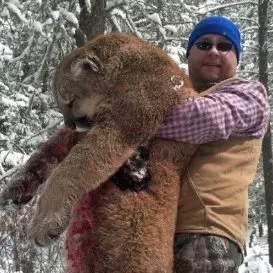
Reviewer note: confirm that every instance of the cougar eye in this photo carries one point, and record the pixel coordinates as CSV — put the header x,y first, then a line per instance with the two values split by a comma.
x,y
53,236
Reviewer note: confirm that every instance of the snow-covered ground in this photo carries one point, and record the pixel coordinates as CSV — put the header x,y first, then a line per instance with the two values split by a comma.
x,y
257,261
257,258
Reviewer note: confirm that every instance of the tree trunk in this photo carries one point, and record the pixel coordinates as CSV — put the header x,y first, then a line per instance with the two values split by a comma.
x,y
15,252
91,22
267,145
261,230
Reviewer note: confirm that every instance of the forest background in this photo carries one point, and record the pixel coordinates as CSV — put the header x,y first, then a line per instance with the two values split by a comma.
x,y
36,34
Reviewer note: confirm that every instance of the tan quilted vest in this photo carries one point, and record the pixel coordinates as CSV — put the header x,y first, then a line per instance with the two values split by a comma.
x,y
214,190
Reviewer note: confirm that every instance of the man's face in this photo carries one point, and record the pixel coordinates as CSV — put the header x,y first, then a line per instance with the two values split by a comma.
x,y
210,61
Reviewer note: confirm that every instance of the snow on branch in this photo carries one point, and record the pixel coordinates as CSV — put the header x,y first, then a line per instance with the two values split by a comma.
x,y
38,26
172,28
12,158
55,124
6,88
17,12
255,21
255,28
114,20
155,17
7,102
114,4
26,50
48,52
16,3
4,13
87,4
36,76
123,14
8,173
5,52
70,17
55,14
204,11
132,26
120,13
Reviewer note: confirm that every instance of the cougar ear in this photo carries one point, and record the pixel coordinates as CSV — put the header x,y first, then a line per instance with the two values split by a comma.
x,y
113,68
89,63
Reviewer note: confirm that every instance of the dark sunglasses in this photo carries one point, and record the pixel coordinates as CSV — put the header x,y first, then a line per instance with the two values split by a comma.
x,y
221,46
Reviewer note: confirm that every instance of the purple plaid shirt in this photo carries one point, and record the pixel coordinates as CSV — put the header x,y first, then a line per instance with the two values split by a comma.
x,y
236,109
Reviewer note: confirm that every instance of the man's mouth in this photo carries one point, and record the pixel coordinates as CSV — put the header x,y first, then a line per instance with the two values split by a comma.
x,y
212,65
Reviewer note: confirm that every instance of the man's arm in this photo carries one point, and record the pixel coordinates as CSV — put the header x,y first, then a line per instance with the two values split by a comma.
x,y
236,109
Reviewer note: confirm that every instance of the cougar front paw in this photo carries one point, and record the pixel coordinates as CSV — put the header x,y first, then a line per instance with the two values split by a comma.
x,y
47,228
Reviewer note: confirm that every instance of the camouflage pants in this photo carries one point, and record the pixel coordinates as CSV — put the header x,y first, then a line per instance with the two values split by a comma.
x,y
201,253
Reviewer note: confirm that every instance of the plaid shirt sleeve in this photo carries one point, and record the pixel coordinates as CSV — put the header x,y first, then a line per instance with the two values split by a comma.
x,y
237,109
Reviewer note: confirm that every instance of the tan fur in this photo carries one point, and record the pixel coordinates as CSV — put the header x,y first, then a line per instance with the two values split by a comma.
x,y
130,86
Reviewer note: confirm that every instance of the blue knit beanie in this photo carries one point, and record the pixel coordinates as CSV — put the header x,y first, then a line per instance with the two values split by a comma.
x,y
216,25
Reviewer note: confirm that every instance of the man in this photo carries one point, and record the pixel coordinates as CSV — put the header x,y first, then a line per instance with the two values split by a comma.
x,y
228,120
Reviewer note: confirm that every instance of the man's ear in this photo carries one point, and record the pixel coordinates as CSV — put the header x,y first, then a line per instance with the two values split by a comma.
x,y
88,63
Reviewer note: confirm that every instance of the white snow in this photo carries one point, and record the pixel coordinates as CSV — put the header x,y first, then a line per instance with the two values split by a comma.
x,y
88,4
16,3
162,31
120,13
4,13
110,4
257,263
69,16
55,14
155,17
38,27
175,52
257,258
48,22
5,52
3,137
8,102
172,28
22,97
39,2
5,87
16,11
26,50
12,158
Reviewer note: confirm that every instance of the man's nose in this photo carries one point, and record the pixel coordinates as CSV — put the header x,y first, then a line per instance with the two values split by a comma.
x,y
213,51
